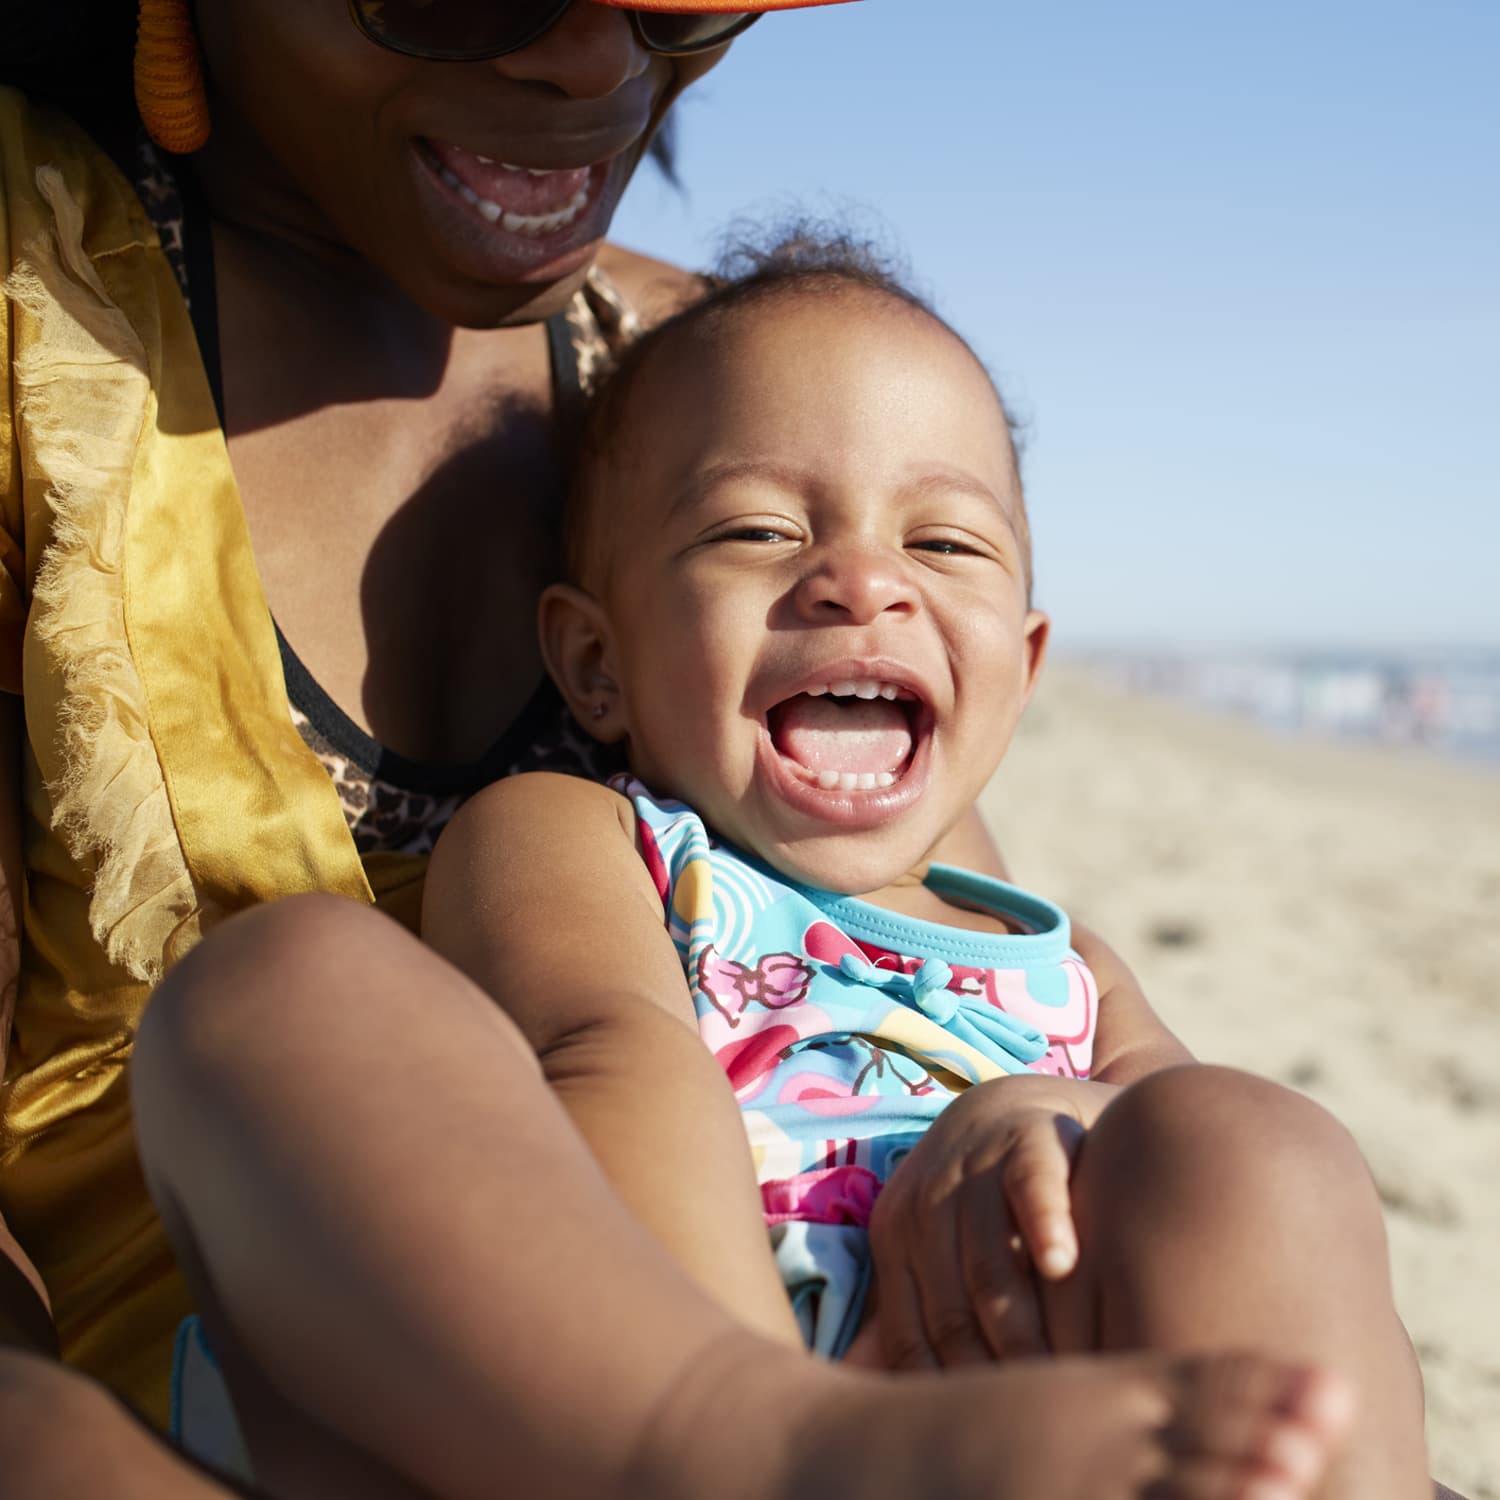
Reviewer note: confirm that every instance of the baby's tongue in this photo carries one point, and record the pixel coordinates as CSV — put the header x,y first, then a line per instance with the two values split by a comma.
x,y
846,734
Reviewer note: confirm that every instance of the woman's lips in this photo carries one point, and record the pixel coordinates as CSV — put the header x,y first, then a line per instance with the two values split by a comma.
x,y
514,243
535,201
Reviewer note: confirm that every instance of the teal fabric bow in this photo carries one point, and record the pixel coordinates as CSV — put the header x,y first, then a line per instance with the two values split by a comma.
x,y
1011,1043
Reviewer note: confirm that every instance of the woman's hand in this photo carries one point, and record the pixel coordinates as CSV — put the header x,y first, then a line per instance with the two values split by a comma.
x,y
974,1216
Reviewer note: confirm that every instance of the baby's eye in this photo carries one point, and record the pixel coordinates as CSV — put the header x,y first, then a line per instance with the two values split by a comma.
x,y
945,546
751,534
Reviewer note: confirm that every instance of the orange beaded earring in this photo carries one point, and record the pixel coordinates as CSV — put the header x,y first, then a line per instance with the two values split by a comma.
x,y
169,77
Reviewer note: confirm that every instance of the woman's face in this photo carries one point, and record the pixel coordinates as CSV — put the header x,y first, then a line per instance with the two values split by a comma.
x,y
482,189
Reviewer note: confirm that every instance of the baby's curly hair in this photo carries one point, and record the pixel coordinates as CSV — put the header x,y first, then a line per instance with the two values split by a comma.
x,y
807,258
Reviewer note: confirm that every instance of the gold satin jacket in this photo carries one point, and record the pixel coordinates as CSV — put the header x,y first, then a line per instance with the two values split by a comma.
x,y
163,785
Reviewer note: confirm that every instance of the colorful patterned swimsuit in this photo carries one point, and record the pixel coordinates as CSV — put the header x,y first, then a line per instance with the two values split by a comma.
x,y
845,1029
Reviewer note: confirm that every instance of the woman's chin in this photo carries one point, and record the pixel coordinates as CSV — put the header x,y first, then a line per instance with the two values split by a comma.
x,y
522,305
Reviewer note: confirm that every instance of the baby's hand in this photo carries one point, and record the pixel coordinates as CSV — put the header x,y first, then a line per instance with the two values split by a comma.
x,y
970,1220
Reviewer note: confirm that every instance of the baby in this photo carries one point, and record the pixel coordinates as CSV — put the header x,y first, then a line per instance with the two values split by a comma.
x,y
800,601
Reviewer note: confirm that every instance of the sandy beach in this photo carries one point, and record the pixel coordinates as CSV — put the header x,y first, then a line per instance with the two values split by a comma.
x,y
1327,916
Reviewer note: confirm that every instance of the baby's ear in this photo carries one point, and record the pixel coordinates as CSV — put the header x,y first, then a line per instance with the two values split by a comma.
x,y
1037,631
578,650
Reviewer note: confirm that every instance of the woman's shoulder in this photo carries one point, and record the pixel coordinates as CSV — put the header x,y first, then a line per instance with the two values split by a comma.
x,y
653,288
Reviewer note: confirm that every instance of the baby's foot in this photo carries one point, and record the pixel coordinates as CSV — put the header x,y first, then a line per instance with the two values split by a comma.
x,y
757,1426
1227,1427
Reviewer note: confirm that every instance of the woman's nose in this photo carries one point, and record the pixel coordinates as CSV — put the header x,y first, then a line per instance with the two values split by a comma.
x,y
855,586
590,52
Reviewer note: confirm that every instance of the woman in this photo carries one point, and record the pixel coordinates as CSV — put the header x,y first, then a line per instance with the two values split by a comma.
x,y
391,245
379,352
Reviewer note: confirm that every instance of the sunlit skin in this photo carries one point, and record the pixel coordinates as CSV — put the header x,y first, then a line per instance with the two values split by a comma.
x,y
381,360
815,486
387,403
318,137
846,506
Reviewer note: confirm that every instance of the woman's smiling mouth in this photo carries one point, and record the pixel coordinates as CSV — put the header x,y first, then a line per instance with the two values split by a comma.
x,y
532,201
511,223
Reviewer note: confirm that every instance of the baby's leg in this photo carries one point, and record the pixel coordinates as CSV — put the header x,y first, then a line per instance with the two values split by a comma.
x,y
409,1264
1218,1210
397,1233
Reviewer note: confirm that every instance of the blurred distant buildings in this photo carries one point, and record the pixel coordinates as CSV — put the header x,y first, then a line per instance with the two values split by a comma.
x,y
1443,701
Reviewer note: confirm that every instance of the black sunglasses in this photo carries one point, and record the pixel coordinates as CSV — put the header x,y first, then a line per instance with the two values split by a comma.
x,y
473,30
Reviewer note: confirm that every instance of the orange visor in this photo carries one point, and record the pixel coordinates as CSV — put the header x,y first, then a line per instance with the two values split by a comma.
x,y
705,7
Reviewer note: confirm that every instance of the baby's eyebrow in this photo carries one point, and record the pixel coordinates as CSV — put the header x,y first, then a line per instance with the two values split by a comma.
x,y
944,479
767,470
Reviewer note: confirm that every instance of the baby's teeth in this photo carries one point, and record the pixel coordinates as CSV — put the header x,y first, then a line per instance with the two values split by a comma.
x,y
841,689
490,211
817,692
888,690
867,690
851,781
488,161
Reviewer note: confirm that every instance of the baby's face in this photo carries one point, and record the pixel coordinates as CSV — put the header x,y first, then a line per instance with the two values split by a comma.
x,y
817,596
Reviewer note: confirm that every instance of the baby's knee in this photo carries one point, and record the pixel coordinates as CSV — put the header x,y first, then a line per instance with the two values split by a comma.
x,y
1217,1133
261,968
256,992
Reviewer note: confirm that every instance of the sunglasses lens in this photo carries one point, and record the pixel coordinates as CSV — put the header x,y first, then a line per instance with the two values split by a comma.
x,y
472,29
456,28
666,31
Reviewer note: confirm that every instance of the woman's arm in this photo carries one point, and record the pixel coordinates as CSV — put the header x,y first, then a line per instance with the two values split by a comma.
x,y
537,893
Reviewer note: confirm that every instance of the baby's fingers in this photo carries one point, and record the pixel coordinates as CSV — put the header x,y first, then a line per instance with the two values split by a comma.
x,y
1001,1289
1037,1171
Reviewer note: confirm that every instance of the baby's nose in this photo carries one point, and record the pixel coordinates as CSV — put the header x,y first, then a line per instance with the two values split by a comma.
x,y
857,586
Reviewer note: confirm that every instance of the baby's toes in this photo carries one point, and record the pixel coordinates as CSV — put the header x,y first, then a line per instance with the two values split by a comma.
x,y
1247,1428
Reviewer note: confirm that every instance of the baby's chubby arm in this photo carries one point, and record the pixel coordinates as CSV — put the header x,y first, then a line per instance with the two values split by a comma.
x,y
536,891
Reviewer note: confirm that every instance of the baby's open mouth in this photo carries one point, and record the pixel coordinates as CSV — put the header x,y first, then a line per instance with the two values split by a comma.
x,y
848,736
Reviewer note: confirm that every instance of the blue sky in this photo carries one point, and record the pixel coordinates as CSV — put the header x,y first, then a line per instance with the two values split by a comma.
x,y
1237,267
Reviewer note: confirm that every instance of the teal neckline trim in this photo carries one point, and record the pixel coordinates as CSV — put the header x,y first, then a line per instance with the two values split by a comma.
x,y
1049,941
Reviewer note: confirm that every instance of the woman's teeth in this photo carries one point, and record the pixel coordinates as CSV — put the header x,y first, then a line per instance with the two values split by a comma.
x,y
514,223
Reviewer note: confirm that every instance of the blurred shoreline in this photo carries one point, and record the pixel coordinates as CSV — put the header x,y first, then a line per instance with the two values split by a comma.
x,y
1445,700
1323,914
